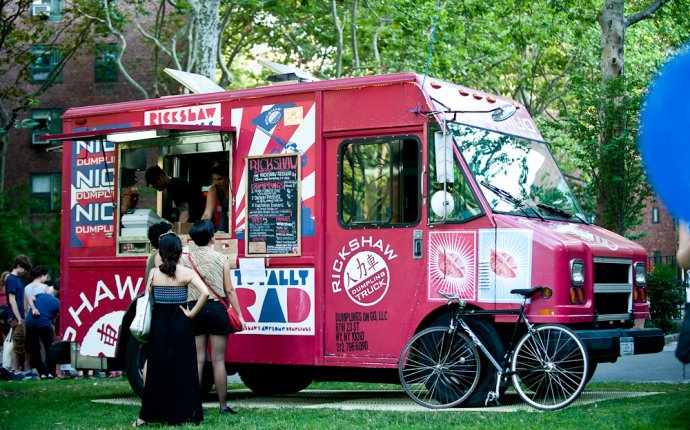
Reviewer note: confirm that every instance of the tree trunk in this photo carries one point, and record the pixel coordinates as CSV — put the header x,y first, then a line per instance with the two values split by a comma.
x,y
207,27
339,39
612,23
612,190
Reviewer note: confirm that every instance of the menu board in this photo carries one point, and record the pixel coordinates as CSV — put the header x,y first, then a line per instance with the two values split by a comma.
x,y
273,205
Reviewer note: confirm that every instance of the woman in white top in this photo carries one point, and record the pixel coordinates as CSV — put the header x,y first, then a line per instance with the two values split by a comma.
x,y
39,276
212,324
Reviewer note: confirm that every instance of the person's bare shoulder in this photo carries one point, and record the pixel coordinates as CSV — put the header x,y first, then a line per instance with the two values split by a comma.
x,y
184,274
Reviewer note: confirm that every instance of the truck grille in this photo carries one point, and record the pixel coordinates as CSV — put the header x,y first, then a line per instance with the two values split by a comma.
x,y
613,279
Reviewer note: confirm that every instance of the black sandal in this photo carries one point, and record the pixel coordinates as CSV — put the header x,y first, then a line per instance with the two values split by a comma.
x,y
227,410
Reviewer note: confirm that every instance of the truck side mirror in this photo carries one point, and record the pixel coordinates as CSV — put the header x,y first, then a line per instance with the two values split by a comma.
x,y
442,204
443,151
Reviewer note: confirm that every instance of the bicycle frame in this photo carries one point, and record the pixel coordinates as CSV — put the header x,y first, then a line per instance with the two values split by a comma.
x,y
501,370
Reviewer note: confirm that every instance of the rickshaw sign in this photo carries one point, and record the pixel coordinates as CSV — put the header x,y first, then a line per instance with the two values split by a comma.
x,y
361,269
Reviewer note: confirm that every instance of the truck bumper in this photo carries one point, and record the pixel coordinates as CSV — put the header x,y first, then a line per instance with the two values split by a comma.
x,y
604,345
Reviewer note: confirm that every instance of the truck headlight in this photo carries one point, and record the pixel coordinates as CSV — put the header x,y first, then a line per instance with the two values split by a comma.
x,y
577,272
640,274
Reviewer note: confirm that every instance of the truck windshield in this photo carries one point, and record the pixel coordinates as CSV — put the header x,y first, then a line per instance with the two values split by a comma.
x,y
516,173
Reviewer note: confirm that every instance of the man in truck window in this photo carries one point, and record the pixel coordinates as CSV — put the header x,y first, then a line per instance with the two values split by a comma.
x,y
187,198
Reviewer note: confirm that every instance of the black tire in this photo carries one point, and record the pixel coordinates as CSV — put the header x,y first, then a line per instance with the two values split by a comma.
x,y
487,375
135,357
206,380
439,368
590,371
269,380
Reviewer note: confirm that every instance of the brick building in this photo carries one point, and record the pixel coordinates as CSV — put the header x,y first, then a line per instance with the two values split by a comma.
x,y
90,78
661,239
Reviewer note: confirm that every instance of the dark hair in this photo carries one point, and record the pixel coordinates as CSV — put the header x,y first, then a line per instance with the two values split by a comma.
x,y
39,271
156,230
170,249
23,262
202,231
221,168
152,174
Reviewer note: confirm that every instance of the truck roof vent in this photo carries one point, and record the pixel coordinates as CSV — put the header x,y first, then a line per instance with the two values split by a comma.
x,y
287,74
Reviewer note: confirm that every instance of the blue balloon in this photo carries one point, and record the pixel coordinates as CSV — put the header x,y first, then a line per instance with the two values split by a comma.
x,y
665,135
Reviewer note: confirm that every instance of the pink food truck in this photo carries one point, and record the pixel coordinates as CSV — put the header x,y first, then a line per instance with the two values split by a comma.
x,y
354,203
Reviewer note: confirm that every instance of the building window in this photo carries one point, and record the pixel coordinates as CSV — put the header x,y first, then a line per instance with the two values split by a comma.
x,y
47,9
106,62
45,192
655,215
380,182
46,59
657,257
46,121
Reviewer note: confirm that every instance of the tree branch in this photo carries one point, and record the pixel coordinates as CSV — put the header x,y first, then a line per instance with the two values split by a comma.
x,y
648,12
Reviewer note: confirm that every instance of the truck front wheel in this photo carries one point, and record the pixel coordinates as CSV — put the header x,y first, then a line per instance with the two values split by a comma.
x,y
492,341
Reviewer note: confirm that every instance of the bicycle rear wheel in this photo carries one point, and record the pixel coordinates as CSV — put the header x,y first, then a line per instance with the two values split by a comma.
x,y
550,366
439,368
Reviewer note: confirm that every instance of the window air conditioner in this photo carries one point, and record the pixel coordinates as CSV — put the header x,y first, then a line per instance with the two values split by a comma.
x,y
40,10
36,138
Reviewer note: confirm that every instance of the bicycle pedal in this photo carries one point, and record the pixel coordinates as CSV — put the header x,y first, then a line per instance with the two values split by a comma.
x,y
492,397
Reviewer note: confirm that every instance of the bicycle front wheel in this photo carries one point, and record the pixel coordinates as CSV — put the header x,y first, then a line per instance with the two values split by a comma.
x,y
550,366
439,368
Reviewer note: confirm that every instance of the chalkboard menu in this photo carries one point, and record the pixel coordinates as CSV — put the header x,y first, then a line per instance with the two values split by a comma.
x,y
273,205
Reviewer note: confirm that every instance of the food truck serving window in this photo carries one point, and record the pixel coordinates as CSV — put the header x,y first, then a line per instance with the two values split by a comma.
x,y
164,179
379,182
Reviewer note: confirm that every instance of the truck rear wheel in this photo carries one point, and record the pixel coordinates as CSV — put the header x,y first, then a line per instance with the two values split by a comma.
x,y
268,380
135,357
492,341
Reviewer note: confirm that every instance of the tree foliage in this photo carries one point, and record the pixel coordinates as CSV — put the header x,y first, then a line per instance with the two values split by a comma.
x,y
19,35
666,295
38,238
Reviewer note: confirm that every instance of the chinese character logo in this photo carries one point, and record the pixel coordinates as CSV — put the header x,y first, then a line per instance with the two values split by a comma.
x,y
366,278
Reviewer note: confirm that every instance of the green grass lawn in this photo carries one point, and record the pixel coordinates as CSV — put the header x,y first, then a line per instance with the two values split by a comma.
x,y
68,405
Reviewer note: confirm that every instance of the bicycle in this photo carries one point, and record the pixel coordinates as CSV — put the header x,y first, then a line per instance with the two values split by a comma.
x,y
440,366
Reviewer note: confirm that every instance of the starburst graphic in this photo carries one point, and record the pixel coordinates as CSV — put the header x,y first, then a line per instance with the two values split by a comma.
x,y
505,263
452,264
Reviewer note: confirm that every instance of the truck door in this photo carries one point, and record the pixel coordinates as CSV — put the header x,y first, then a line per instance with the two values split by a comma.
x,y
373,246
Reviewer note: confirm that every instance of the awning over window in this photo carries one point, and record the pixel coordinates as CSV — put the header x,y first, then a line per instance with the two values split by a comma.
x,y
127,134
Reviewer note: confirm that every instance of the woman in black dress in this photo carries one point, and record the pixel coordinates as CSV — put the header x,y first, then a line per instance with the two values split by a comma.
x,y
171,392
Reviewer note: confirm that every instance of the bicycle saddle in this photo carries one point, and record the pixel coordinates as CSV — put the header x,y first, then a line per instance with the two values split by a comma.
x,y
527,292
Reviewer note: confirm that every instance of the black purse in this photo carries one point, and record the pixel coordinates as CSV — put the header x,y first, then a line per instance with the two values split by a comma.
x,y
683,348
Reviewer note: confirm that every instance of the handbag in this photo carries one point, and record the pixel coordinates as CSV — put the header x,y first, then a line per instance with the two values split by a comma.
x,y
683,348
235,323
7,348
141,324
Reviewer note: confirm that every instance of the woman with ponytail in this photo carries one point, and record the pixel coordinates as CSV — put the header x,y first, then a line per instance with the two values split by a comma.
x,y
171,393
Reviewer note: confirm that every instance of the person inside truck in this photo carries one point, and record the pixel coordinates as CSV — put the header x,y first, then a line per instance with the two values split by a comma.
x,y
219,195
187,198
130,199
